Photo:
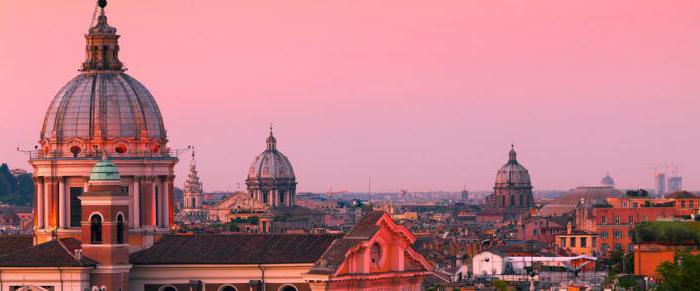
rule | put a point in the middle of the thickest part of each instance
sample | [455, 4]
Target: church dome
[103, 105]
[513, 173]
[104, 170]
[103, 108]
[271, 164]
[607, 181]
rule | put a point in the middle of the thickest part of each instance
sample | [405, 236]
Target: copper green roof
[105, 170]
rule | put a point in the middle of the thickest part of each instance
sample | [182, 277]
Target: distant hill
[15, 189]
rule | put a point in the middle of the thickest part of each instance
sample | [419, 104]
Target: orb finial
[102, 3]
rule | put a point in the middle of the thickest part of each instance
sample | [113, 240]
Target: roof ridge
[77, 258]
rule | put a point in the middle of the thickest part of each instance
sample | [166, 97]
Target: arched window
[96, 229]
[503, 201]
[376, 253]
[227, 288]
[281, 197]
[167, 288]
[521, 200]
[120, 228]
[288, 287]
[512, 200]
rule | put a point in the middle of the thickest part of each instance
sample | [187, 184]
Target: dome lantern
[102, 45]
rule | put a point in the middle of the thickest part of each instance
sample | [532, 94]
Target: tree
[681, 274]
[500, 285]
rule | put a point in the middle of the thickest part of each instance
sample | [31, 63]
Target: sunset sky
[419, 95]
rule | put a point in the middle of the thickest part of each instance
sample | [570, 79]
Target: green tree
[681, 274]
[500, 285]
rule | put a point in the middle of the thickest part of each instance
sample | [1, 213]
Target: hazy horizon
[418, 95]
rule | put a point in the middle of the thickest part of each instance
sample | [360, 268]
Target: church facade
[103, 111]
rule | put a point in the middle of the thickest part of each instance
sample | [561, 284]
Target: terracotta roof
[681, 195]
[11, 243]
[367, 226]
[54, 253]
[334, 256]
[235, 249]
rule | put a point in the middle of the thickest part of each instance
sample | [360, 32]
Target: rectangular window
[618, 234]
[616, 220]
[635, 204]
[629, 247]
[603, 220]
[75, 207]
[682, 204]
[584, 243]
[692, 205]
[572, 242]
[536, 231]
[624, 204]
[630, 219]
[630, 234]
[562, 241]
[618, 247]
[594, 242]
[604, 234]
[604, 247]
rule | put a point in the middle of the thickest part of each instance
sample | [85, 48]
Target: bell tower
[105, 207]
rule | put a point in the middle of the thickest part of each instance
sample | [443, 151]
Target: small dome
[104, 170]
[271, 164]
[607, 181]
[513, 173]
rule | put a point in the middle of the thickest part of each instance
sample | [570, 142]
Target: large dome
[271, 164]
[103, 105]
[513, 173]
[103, 109]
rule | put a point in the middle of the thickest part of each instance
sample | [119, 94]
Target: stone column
[137, 201]
[61, 202]
[39, 202]
[154, 207]
[165, 214]
[47, 205]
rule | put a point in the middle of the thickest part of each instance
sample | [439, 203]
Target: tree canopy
[681, 274]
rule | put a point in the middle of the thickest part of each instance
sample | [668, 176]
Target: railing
[95, 155]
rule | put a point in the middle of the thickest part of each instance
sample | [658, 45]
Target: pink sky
[421, 95]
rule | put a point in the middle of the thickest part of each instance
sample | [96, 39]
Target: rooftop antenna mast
[369, 190]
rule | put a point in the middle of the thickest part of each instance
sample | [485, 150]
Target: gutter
[262, 279]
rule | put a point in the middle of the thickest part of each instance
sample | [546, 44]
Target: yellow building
[579, 242]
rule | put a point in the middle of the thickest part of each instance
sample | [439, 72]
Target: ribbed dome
[104, 170]
[103, 105]
[271, 163]
[512, 173]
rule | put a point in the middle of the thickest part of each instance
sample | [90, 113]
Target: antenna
[369, 190]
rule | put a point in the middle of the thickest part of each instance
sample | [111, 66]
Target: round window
[120, 149]
[75, 150]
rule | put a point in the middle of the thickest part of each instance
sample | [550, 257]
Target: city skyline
[347, 104]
